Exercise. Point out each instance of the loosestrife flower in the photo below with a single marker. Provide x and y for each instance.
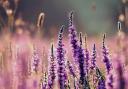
(51, 72)
(93, 67)
(106, 59)
(122, 43)
(83, 79)
(22, 69)
(121, 81)
(73, 37)
(62, 76)
(86, 56)
(93, 60)
(86, 82)
(81, 59)
(108, 64)
(77, 50)
(35, 84)
(35, 59)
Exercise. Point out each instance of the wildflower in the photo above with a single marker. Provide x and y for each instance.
(105, 56)
(87, 61)
(121, 82)
(83, 79)
(81, 56)
(73, 37)
(62, 77)
(51, 72)
(35, 83)
(81, 59)
(86, 55)
(108, 65)
(93, 67)
(36, 59)
(93, 64)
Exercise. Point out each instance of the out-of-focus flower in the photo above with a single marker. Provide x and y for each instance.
(35, 84)
(35, 59)
(109, 81)
(122, 17)
(40, 20)
(121, 80)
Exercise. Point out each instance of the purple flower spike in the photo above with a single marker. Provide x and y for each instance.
(86, 56)
(35, 84)
(71, 69)
(77, 50)
(108, 64)
(106, 59)
(93, 61)
(71, 15)
(51, 72)
(36, 59)
(62, 76)
(87, 60)
(81, 65)
(121, 81)
(73, 37)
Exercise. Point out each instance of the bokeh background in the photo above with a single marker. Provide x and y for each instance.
(22, 42)
(91, 16)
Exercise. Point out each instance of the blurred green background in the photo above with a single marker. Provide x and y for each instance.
(91, 16)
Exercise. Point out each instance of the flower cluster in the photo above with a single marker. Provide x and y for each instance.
(77, 70)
